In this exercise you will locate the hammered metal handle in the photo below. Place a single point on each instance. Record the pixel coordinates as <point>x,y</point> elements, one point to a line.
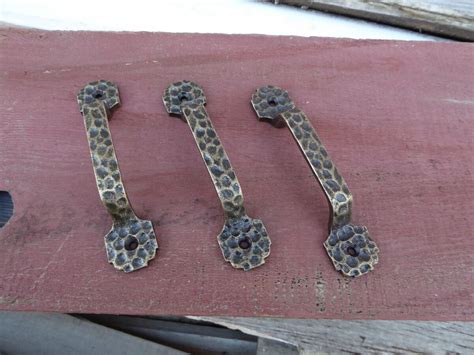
<point>350,247</point>
<point>243,240</point>
<point>131,242</point>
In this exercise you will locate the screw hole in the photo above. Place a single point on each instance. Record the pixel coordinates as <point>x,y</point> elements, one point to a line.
<point>6,207</point>
<point>245,243</point>
<point>183,97</point>
<point>131,243</point>
<point>352,252</point>
<point>98,95</point>
<point>272,102</point>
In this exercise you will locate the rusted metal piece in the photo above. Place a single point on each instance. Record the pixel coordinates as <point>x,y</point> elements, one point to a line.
<point>243,240</point>
<point>350,247</point>
<point>131,242</point>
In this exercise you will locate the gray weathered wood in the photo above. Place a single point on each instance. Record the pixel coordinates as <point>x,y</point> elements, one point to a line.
<point>52,333</point>
<point>441,17</point>
<point>341,336</point>
<point>273,347</point>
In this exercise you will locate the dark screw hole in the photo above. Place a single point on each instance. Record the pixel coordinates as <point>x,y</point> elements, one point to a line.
<point>183,97</point>
<point>131,243</point>
<point>6,207</point>
<point>272,102</point>
<point>352,252</point>
<point>98,95</point>
<point>245,243</point>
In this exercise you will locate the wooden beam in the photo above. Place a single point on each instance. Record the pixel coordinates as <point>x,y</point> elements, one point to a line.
<point>454,19</point>
<point>396,117</point>
<point>335,336</point>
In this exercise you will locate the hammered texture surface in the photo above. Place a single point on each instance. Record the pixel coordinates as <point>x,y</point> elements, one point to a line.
<point>244,241</point>
<point>131,242</point>
<point>351,250</point>
<point>274,105</point>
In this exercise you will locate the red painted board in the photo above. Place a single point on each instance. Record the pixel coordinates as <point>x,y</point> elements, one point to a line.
<point>396,117</point>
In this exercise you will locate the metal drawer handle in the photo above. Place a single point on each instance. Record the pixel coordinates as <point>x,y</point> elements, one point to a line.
<point>243,240</point>
<point>350,247</point>
<point>131,242</point>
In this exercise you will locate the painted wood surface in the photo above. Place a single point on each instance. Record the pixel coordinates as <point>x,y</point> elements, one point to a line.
<point>446,18</point>
<point>396,117</point>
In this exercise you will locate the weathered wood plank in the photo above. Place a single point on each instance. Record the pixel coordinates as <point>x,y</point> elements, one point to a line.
<point>273,347</point>
<point>447,18</point>
<point>342,337</point>
<point>397,118</point>
<point>47,333</point>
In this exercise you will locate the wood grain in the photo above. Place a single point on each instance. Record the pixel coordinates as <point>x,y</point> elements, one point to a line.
<point>396,117</point>
<point>454,19</point>
<point>359,337</point>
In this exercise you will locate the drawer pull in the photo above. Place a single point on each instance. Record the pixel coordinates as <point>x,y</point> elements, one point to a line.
<point>243,240</point>
<point>131,242</point>
<point>350,247</point>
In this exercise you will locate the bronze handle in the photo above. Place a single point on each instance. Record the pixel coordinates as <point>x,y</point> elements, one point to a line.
<point>243,240</point>
<point>131,242</point>
<point>350,247</point>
